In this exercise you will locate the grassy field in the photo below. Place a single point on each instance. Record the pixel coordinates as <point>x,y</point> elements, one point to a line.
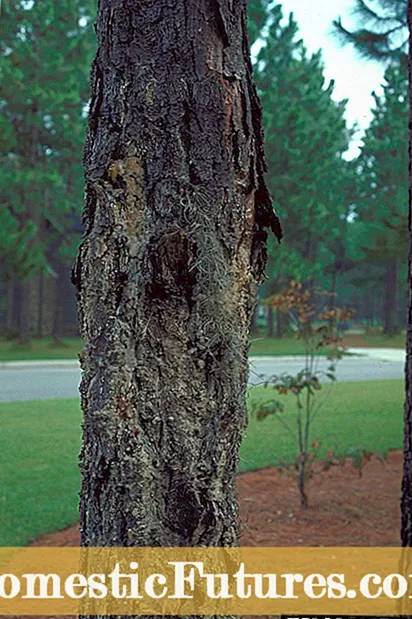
<point>376,340</point>
<point>39,443</point>
<point>39,479</point>
<point>45,348</point>
<point>365,414</point>
<point>261,345</point>
<point>40,349</point>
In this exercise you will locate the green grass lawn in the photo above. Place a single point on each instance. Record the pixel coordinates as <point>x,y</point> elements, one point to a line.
<point>382,341</point>
<point>40,349</point>
<point>39,443</point>
<point>262,345</point>
<point>366,414</point>
<point>45,348</point>
<point>39,479</point>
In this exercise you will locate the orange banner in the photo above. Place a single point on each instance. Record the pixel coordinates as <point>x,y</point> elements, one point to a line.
<point>205,581</point>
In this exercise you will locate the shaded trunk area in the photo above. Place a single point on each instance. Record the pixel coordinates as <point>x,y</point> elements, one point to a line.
<point>253,323</point>
<point>168,270</point>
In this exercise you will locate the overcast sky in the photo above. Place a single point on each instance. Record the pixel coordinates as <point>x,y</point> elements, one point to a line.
<point>355,78</point>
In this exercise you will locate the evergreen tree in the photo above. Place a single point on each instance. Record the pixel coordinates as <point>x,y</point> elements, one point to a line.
<point>383,187</point>
<point>258,16</point>
<point>167,273</point>
<point>382,33</point>
<point>306,136</point>
<point>45,53</point>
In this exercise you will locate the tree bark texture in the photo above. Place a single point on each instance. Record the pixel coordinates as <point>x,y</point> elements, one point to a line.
<point>167,273</point>
<point>406,503</point>
<point>253,323</point>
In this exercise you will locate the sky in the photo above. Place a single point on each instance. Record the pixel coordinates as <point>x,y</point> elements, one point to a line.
<point>355,78</point>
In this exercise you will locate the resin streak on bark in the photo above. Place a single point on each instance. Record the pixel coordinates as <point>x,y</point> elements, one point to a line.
<point>173,252</point>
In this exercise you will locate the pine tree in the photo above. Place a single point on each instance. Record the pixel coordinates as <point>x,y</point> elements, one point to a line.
<point>382,173</point>
<point>167,273</point>
<point>306,136</point>
<point>45,53</point>
<point>383,30</point>
<point>258,17</point>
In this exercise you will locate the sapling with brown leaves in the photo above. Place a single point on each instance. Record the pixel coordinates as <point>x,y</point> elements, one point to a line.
<point>320,329</point>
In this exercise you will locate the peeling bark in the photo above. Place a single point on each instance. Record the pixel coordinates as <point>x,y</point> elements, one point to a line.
<point>167,273</point>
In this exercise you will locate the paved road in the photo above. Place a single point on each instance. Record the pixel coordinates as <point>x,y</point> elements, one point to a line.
<point>43,383</point>
<point>38,384</point>
<point>348,369</point>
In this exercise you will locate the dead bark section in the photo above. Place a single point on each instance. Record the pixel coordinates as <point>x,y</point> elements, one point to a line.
<point>174,250</point>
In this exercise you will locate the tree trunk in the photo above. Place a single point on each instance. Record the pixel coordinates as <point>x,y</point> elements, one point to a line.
<point>332,300</point>
<point>253,322</point>
<point>279,324</point>
<point>11,321</point>
<point>25,313</point>
<point>58,308</point>
<point>270,321</point>
<point>40,317</point>
<point>27,306</point>
<point>389,326</point>
<point>406,504</point>
<point>371,297</point>
<point>168,271</point>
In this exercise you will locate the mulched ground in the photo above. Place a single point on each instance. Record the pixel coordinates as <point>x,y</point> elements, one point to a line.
<point>345,509</point>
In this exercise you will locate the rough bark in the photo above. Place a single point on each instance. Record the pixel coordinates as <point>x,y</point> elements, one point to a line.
<point>406,504</point>
<point>167,273</point>
<point>253,323</point>
<point>391,280</point>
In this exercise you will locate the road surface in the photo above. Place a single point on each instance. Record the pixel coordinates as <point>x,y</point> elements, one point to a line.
<point>348,369</point>
<point>28,382</point>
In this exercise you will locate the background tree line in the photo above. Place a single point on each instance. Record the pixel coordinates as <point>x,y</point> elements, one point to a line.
<point>344,220</point>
